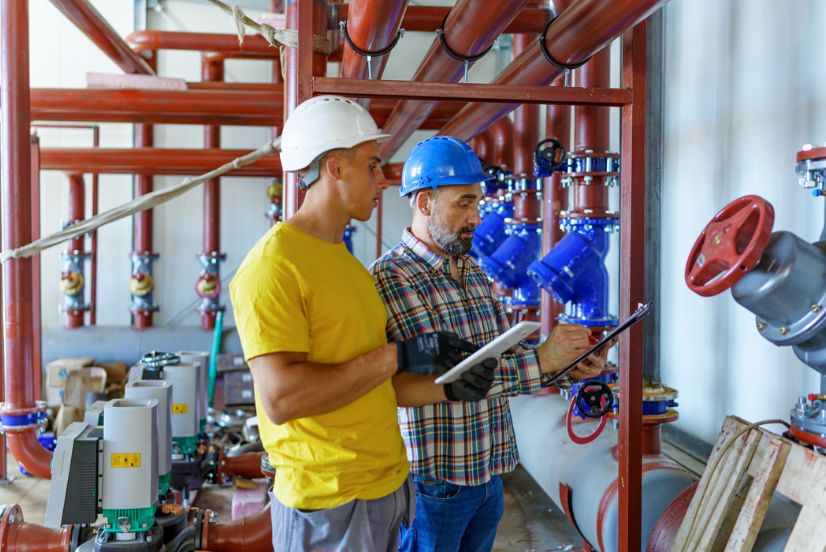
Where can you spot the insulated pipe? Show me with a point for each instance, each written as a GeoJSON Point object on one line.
{"type": "Point", "coordinates": [372, 26]}
{"type": "Point", "coordinates": [579, 32]}
{"type": "Point", "coordinates": [18, 536]}
{"type": "Point", "coordinates": [76, 246]}
{"type": "Point", "coordinates": [142, 248]}
{"type": "Point", "coordinates": [251, 533]}
{"type": "Point", "coordinates": [20, 411]}
{"type": "Point", "coordinates": [243, 104]}
{"type": "Point", "coordinates": [212, 69]}
{"type": "Point", "coordinates": [469, 30]}
{"type": "Point", "coordinates": [255, 46]}
{"type": "Point", "coordinates": [98, 30]}
{"type": "Point", "coordinates": [153, 161]}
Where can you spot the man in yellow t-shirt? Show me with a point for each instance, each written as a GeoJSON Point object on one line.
{"type": "Point", "coordinates": [312, 327]}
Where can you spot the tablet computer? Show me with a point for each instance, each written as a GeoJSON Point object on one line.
{"type": "Point", "coordinates": [494, 349]}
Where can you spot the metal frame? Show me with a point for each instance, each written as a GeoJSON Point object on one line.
{"type": "Point", "coordinates": [631, 98]}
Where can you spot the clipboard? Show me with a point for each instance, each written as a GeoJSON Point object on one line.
{"type": "Point", "coordinates": [495, 349]}
{"type": "Point", "coordinates": [642, 311]}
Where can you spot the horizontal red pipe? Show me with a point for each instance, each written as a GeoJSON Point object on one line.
{"type": "Point", "coordinates": [245, 465]}
{"type": "Point", "coordinates": [261, 106]}
{"type": "Point", "coordinates": [153, 161]}
{"type": "Point", "coordinates": [255, 46]}
{"type": "Point", "coordinates": [252, 533]}
{"type": "Point", "coordinates": [18, 536]}
{"type": "Point", "coordinates": [94, 26]}
{"type": "Point", "coordinates": [579, 32]}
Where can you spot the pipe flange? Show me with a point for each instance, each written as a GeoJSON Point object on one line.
{"type": "Point", "coordinates": [20, 420]}
{"type": "Point", "coordinates": [10, 514]}
{"type": "Point", "coordinates": [811, 168]}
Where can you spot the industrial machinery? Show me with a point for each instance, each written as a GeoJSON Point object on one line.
{"type": "Point", "coordinates": [779, 277]}
{"type": "Point", "coordinates": [111, 470]}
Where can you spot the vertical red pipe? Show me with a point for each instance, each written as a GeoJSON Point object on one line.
{"type": "Point", "coordinates": [93, 238]}
{"type": "Point", "coordinates": [502, 135]}
{"type": "Point", "coordinates": [301, 64]}
{"type": "Point", "coordinates": [36, 282]}
{"type": "Point", "coordinates": [525, 123]}
{"type": "Point", "coordinates": [142, 229]}
{"type": "Point", "coordinates": [15, 189]}
{"type": "Point", "coordinates": [632, 289]}
{"type": "Point", "coordinates": [212, 70]}
{"type": "Point", "coordinates": [558, 125]}
{"type": "Point", "coordinates": [76, 246]}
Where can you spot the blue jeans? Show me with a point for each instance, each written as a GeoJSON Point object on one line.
{"type": "Point", "coordinates": [452, 518]}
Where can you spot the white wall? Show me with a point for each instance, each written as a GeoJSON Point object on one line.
{"type": "Point", "coordinates": [744, 89]}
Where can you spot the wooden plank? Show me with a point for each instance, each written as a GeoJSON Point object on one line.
{"type": "Point", "coordinates": [766, 469]}
{"type": "Point", "coordinates": [796, 481]}
{"type": "Point", "coordinates": [809, 533]}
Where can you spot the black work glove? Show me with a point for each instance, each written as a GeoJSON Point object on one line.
{"type": "Point", "coordinates": [474, 384]}
{"type": "Point", "coordinates": [432, 353]}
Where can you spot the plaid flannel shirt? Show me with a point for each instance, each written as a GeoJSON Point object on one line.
{"type": "Point", "coordinates": [464, 443]}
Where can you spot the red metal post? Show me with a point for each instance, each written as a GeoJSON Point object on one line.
{"type": "Point", "coordinates": [141, 280]}
{"type": "Point", "coordinates": [469, 30]}
{"type": "Point", "coordinates": [73, 274]}
{"type": "Point", "coordinates": [15, 189]}
{"type": "Point", "coordinates": [632, 289]}
{"type": "Point", "coordinates": [212, 69]}
{"type": "Point", "coordinates": [94, 26]}
{"type": "Point", "coordinates": [301, 64]}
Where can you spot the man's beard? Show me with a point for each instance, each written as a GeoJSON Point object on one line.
{"type": "Point", "coordinates": [452, 244]}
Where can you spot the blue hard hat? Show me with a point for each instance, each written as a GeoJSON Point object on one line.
{"type": "Point", "coordinates": [441, 161]}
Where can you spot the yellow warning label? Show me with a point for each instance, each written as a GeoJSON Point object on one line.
{"type": "Point", "coordinates": [126, 460]}
{"type": "Point", "coordinates": [180, 408]}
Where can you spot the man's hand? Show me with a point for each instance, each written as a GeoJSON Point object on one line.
{"type": "Point", "coordinates": [432, 353]}
{"type": "Point", "coordinates": [566, 342]}
{"type": "Point", "coordinates": [474, 384]}
{"type": "Point", "coordinates": [594, 364]}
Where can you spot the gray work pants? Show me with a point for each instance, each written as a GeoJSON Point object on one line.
{"type": "Point", "coordinates": [358, 525]}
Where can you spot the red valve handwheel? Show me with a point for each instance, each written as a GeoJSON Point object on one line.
{"type": "Point", "coordinates": [729, 246]}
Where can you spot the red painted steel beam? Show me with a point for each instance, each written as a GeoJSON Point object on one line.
{"type": "Point", "coordinates": [301, 64]}
{"type": "Point", "coordinates": [632, 289]}
{"type": "Point", "coordinates": [487, 93]}
{"type": "Point", "coordinates": [153, 161]}
{"type": "Point", "coordinates": [16, 208]}
{"type": "Point", "coordinates": [579, 32]}
{"type": "Point", "coordinates": [372, 25]}
{"type": "Point", "coordinates": [94, 26]}
{"type": "Point", "coordinates": [429, 18]}
{"type": "Point", "coordinates": [255, 46]}
{"type": "Point", "coordinates": [469, 30]}
{"type": "Point", "coordinates": [262, 106]}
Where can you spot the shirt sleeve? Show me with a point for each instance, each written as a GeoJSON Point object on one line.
{"type": "Point", "coordinates": [270, 309]}
{"type": "Point", "coordinates": [518, 372]}
{"type": "Point", "coordinates": [407, 315]}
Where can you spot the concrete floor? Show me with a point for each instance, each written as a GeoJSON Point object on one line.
{"type": "Point", "coordinates": [532, 523]}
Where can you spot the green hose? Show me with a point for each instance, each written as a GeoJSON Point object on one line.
{"type": "Point", "coordinates": [213, 357]}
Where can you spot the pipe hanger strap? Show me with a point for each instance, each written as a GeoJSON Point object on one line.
{"type": "Point", "coordinates": [543, 46]}
{"type": "Point", "coordinates": [365, 53]}
{"type": "Point", "coordinates": [440, 32]}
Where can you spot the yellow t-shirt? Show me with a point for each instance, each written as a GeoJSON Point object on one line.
{"type": "Point", "coordinates": [295, 292]}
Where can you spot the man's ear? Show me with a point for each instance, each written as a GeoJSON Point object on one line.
{"type": "Point", "coordinates": [424, 203]}
{"type": "Point", "coordinates": [331, 164]}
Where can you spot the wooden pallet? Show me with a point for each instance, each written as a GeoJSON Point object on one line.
{"type": "Point", "coordinates": [729, 513]}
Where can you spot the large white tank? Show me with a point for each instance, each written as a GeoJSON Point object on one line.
{"type": "Point", "coordinates": [589, 471]}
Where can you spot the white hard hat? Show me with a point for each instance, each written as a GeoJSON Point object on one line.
{"type": "Point", "coordinates": [321, 124]}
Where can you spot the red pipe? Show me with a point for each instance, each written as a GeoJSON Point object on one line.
{"type": "Point", "coordinates": [255, 46]}
{"type": "Point", "coordinates": [142, 222]}
{"type": "Point", "coordinates": [502, 136]}
{"type": "Point", "coordinates": [93, 238]}
{"type": "Point", "coordinates": [153, 161]}
{"type": "Point", "coordinates": [668, 524]}
{"type": "Point", "coordinates": [248, 534]}
{"type": "Point", "coordinates": [525, 123]}
{"type": "Point", "coordinates": [483, 146]}
{"type": "Point", "coordinates": [301, 64]}
{"type": "Point", "coordinates": [96, 28]}
{"type": "Point", "coordinates": [372, 25]}
{"type": "Point", "coordinates": [15, 189]}
{"type": "Point", "coordinates": [245, 104]}
{"type": "Point", "coordinates": [77, 212]}
{"type": "Point", "coordinates": [37, 325]}
{"type": "Point", "coordinates": [558, 125]}
{"type": "Point", "coordinates": [18, 536]}
{"type": "Point", "coordinates": [245, 465]}
{"type": "Point", "coordinates": [212, 69]}
{"type": "Point", "coordinates": [578, 33]}
{"type": "Point", "coordinates": [429, 18]}
{"type": "Point", "coordinates": [470, 29]}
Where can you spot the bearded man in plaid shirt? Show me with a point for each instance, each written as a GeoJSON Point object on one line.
{"type": "Point", "coordinates": [458, 450]}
